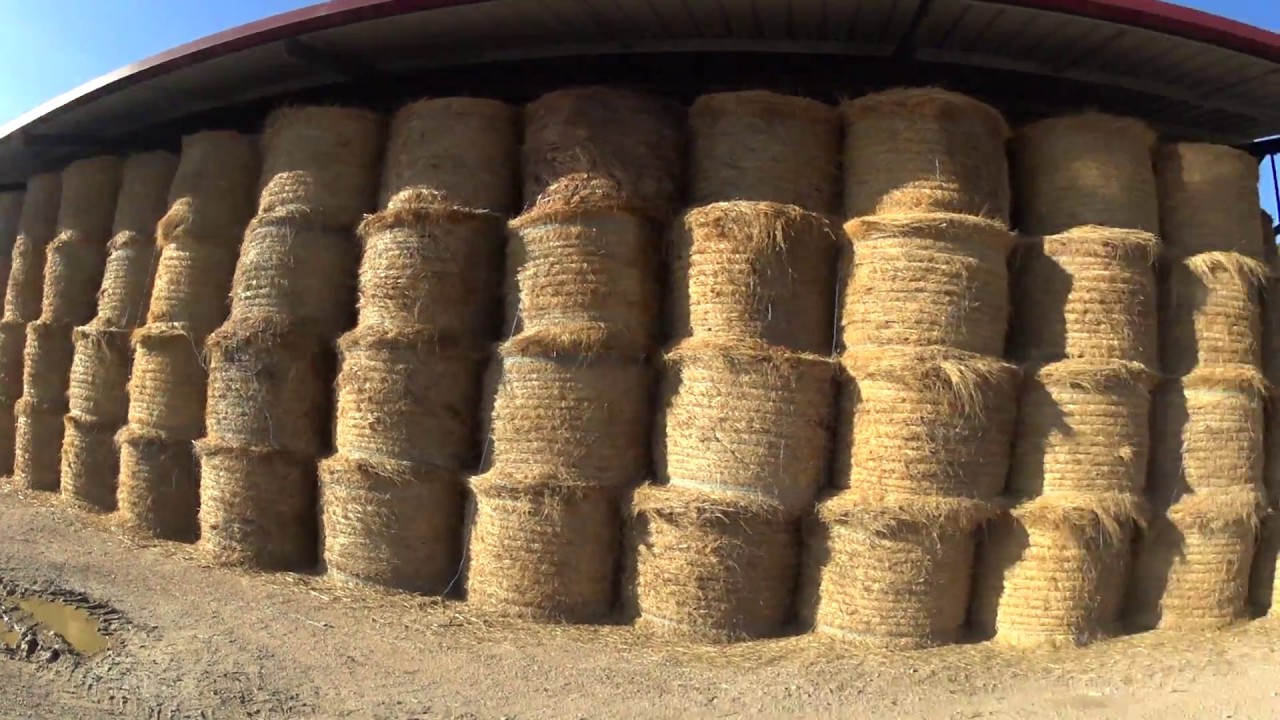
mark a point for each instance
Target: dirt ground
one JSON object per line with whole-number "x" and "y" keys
{"x": 190, "y": 641}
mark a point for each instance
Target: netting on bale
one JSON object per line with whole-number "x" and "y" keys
{"x": 1208, "y": 199}
{"x": 766, "y": 147}
{"x": 1211, "y": 312}
{"x": 36, "y": 228}
{"x": 211, "y": 197}
{"x": 159, "y": 491}
{"x": 927, "y": 280}
{"x": 924, "y": 150}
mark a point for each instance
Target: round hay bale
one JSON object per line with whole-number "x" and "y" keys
{"x": 37, "y": 456}
{"x": 39, "y": 220}
{"x": 598, "y": 148}
{"x": 46, "y": 365}
{"x": 89, "y": 191}
{"x": 90, "y": 464}
{"x": 765, "y": 147}
{"x": 924, "y": 150}
{"x": 710, "y": 566}
{"x": 590, "y": 277}
{"x": 13, "y": 341}
{"x": 543, "y": 550}
{"x": 193, "y": 279}
{"x": 98, "y": 387}
{"x": 159, "y": 493}
{"x": 10, "y": 214}
{"x": 1088, "y": 293}
{"x": 928, "y": 423}
{"x": 453, "y": 152}
{"x": 1191, "y": 570}
{"x": 257, "y": 507}
{"x": 212, "y": 195}
{"x": 168, "y": 382}
{"x": 36, "y": 227}
{"x": 584, "y": 420}
{"x": 295, "y": 271}
{"x": 1208, "y": 199}
{"x": 746, "y": 420}
{"x": 435, "y": 267}
{"x": 1083, "y": 428}
{"x": 126, "y": 282}
{"x": 1211, "y": 313}
{"x": 1085, "y": 169}
{"x": 754, "y": 271}
{"x": 1207, "y": 433}
{"x": 392, "y": 524}
{"x": 1052, "y": 573}
{"x": 72, "y": 275}
{"x": 1262, "y": 577}
{"x": 144, "y": 191}
{"x": 325, "y": 159}
{"x": 269, "y": 387}
{"x": 927, "y": 281}
{"x": 889, "y": 573}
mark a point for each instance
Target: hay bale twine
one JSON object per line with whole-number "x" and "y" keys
{"x": 590, "y": 277}
{"x": 754, "y": 271}
{"x": 1052, "y": 573}
{"x": 191, "y": 285}
{"x": 744, "y": 419}
{"x": 1208, "y": 199}
{"x": 36, "y": 227}
{"x": 1262, "y": 577}
{"x": 889, "y": 572}
{"x": 435, "y": 267}
{"x": 325, "y": 159}
{"x": 453, "y": 152}
{"x": 90, "y": 463}
{"x": 924, "y": 150}
{"x": 1211, "y": 312}
{"x": 1207, "y": 433}
{"x": 37, "y": 456}
{"x": 1191, "y": 570}
{"x": 762, "y": 146}
{"x": 10, "y": 214}
{"x": 403, "y": 397}
{"x": 585, "y": 419}
{"x": 126, "y": 282}
{"x": 212, "y": 195}
{"x": 602, "y": 148}
{"x": 392, "y": 524}
{"x": 46, "y": 364}
{"x": 269, "y": 387}
{"x": 89, "y": 191}
{"x": 1085, "y": 169}
{"x": 168, "y": 382}
{"x": 1083, "y": 427}
{"x": 1088, "y": 293}
{"x": 929, "y": 423}
{"x": 72, "y": 275}
{"x": 98, "y": 387}
{"x": 13, "y": 341}
{"x": 159, "y": 492}
{"x": 543, "y": 549}
{"x": 927, "y": 281}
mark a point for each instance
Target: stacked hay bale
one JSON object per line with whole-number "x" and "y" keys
{"x": 10, "y": 214}
{"x": 1053, "y": 571}
{"x": 1193, "y": 562}
{"x": 209, "y": 204}
{"x": 270, "y": 364}
{"x": 97, "y": 398}
{"x": 747, "y": 395}
{"x": 570, "y": 401}
{"x": 73, "y": 269}
{"x": 1262, "y": 581}
{"x": 927, "y": 404}
{"x": 408, "y": 391}
{"x": 36, "y": 227}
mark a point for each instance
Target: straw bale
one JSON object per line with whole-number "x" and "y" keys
{"x": 90, "y": 463}
{"x": 126, "y": 282}
{"x": 10, "y": 213}
{"x": 398, "y": 526}
{"x": 13, "y": 340}
{"x": 590, "y": 276}
{"x": 39, "y": 220}
{"x": 1211, "y": 312}
{"x": 889, "y": 572}
{"x": 191, "y": 286}
{"x": 98, "y": 387}
{"x": 88, "y": 204}
{"x": 924, "y": 150}
{"x": 325, "y": 159}
{"x": 762, "y": 146}
{"x": 1263, "y": 588}
{"x": 36, "y": 227}
{"x": 925, "y": 281}
{"x": 544, "y": 550}
{"x": 46, "y": 365}
{"x": 212, "y": 195}
{"x": 37, "y": 457}
{"x": 72, "y": 275}
{"x": 269, "y": 387}
{"x": 754, "y": 270}
{"x": 257, "y": 507}
{"x": 597, "y": 148}
{"x": 453, "y": 152}
{"x": 435, "y": 267}
{"x": 1052, "y": 573}
{"x": 1191, "y": 570}
{"x": 403, "y": 397}
{"x": 144, "y": 191}
{"x": 168, "y": 381}
{"x": 1088, "y": 293}
{"x": 1208, "y": 199}
{"x": 1083, "y": 427}
{"x": 586, "y": 419}
{"x": 293, "y": 270}
{"x": 159, "y": 492}
{"x": 746, "y": 420}
{"x": 930, "y": 423}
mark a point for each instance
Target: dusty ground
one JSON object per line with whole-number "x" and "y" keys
{"x": 194, "y": 641}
